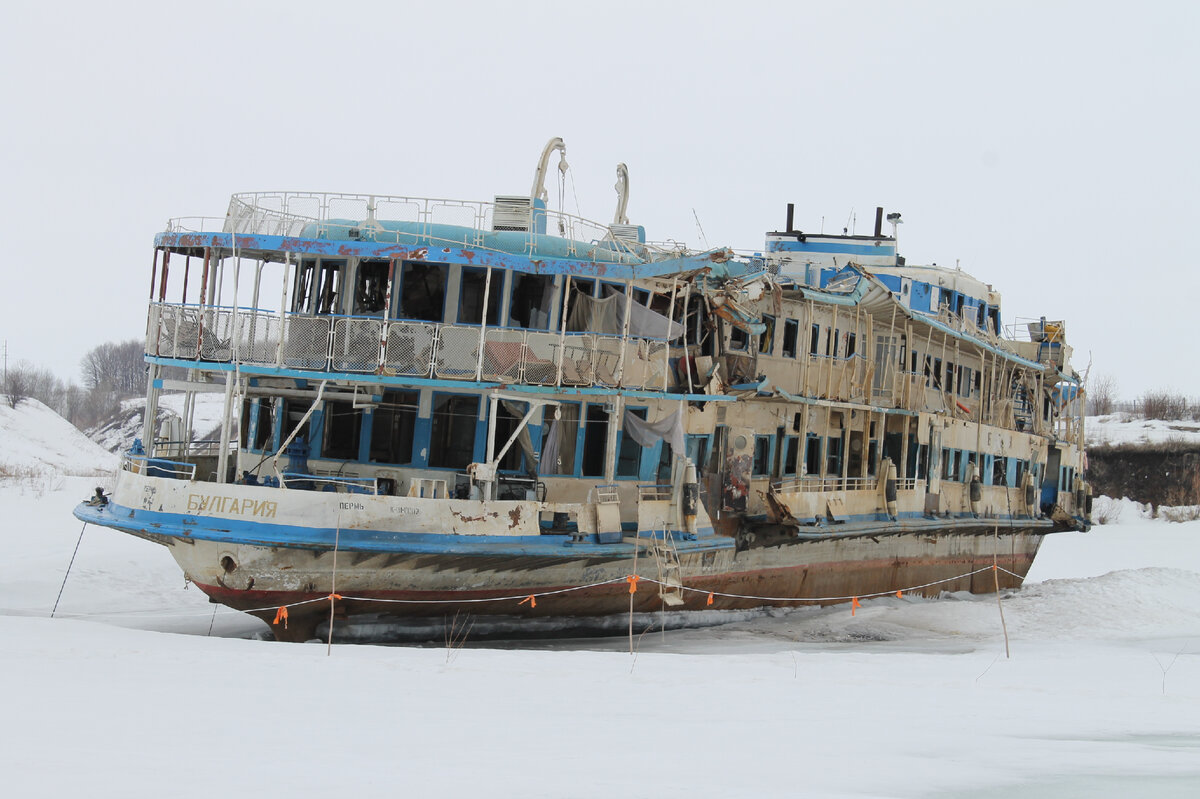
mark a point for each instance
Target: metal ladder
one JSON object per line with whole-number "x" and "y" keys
{"x": 670, "y": 570}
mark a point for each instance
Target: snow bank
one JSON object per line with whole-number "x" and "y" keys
{"x": 36, "y": 440}
{"x": 1124, "y": 428}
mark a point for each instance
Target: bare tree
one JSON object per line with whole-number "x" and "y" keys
{"x": 1102, "y": 395}
{"x": 16, "y": 386}
{"x": 117, "y": 366}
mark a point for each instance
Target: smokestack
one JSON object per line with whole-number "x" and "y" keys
{"x": 791, "y": 212}
{"x": 878, "y": 221}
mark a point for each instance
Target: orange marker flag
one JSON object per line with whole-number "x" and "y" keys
{"x": 854, "y": 604}
{"x": 710, "y": 598}
{"x": 899, "y": 595}
{"x": 633, "y": 581}
{"x": 281, "y": 616}
{"x": 531, "y": 599}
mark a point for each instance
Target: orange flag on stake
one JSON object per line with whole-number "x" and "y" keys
{"x": 854, "y": 605}
{"x": 633, "y": 581}
{"x": 531, "y": 599}
{"x": 281, "y": 616}
{"x": 710, "y": 598}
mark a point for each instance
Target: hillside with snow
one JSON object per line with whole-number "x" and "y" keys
{"x": 117, "y": 434}
{"x": 139, "y": 687}
{"x": 35, "y": 439}
{"x": 1125, "y": 428}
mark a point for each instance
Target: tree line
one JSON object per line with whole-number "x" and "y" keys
{"x": 110, "y": 372}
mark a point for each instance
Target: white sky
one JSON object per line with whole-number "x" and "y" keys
{"x": 1050, "y": 147}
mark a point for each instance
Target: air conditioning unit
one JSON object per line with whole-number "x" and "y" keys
{"x": 632, "y": 233}
{"x": 512, "y": 213}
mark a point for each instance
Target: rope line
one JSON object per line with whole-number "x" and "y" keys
{"x": 525, "y": 598}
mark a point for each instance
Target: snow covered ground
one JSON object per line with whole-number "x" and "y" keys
{"x": 125, "y": 693}
{"x": 1124, "y": 428}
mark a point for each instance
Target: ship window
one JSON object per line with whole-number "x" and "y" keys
{"x": 833, "y": 456}
{"x": 394, "y": 421}
{"x": 928, "y": 371}
{"x": 506, "y": 424}
{"x": 595, "y": 439}
{"x": 762, "y": 456}
{"x": 872, "y": 458}
{"x": 999, "y": 470}
{"x": 560, "y": 433}
{"x": 814, "y": 340}
{"x": 949, "y": 377}
{"x": 851, "y": 344}
{"x": 532, "y": 301}
{"x": 244, "y": 423}
{"x": 831, "y": 343}
{"x": 629, "y": 456}
{"x": 330, "y": 286}
{"x": 812, "y": 454}
{"x": 343, "y": 423}
{"x": 915, "y": 356}
{"x": 766, "y": 341}
{"x": 264, "y": 424}
{"x": 791, "y": 451}
{"x": 293, "y": 412}
{"x": 737, "y": 338}
{"x": 371, "y": 286}
{"x": 423, "y": 291}
{"x": 697, "y": 452}
{"x": 580, "y": 287}
{"x": 949, "y": 465}
{"x": 473, "y": 284}
{"x": 791, "y": 330}
{"x": 452, "y": 432}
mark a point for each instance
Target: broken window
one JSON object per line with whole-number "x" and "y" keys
{"x": 595, "y": 440}
{"x": 532, "y": 301}
{"x": 394, "y": 421}
{"x": 371, "y": 287}
{"x": 472, "y": 285}
{"x": 293, "y": 412}
{"x": 833, "y": 455}
{"x": 766, "y": 341}
{"x": 423, "y": 291}
{"x": 264, "y": 424}
{"x": 629, "y": 456}
{"x": 814, "y": 340}
{"x": 560, "y": 433}
{"x": 737, "y": 338}
{"x": 791, "y": 452}
{"x": 762, "y": 456}
{"x": 791, "y": 331}
{"x": 343, "y": 423}
{"x": 452, "y": 433}
{"x": 851, "y": 344}
{"x": 812, "y": 454}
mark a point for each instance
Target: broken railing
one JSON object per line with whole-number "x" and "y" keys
{"x": 370, "y": 345}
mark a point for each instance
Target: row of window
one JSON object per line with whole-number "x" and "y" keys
{"x": 437, "y": 292}
{"x": 838, "y": 343}
{"x": 452, "y": 436}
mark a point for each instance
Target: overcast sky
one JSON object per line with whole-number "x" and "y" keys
{"x": 1049, "y": 148}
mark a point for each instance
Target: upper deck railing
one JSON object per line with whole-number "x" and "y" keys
{"x": 434, "y": 221}
{"x": 371, "y": 345}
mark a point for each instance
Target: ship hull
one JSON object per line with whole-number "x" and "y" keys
{"x": 258, "y": 567}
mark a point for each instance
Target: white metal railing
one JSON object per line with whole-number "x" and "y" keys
{"x": 794, "y": 485}
{"x": 654, "y": 493}
{"x": 371, "y": 345}
{"x": 468, "y": 222}
{"x": 158, "y": 467}
{"x": 345, "y": 485}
